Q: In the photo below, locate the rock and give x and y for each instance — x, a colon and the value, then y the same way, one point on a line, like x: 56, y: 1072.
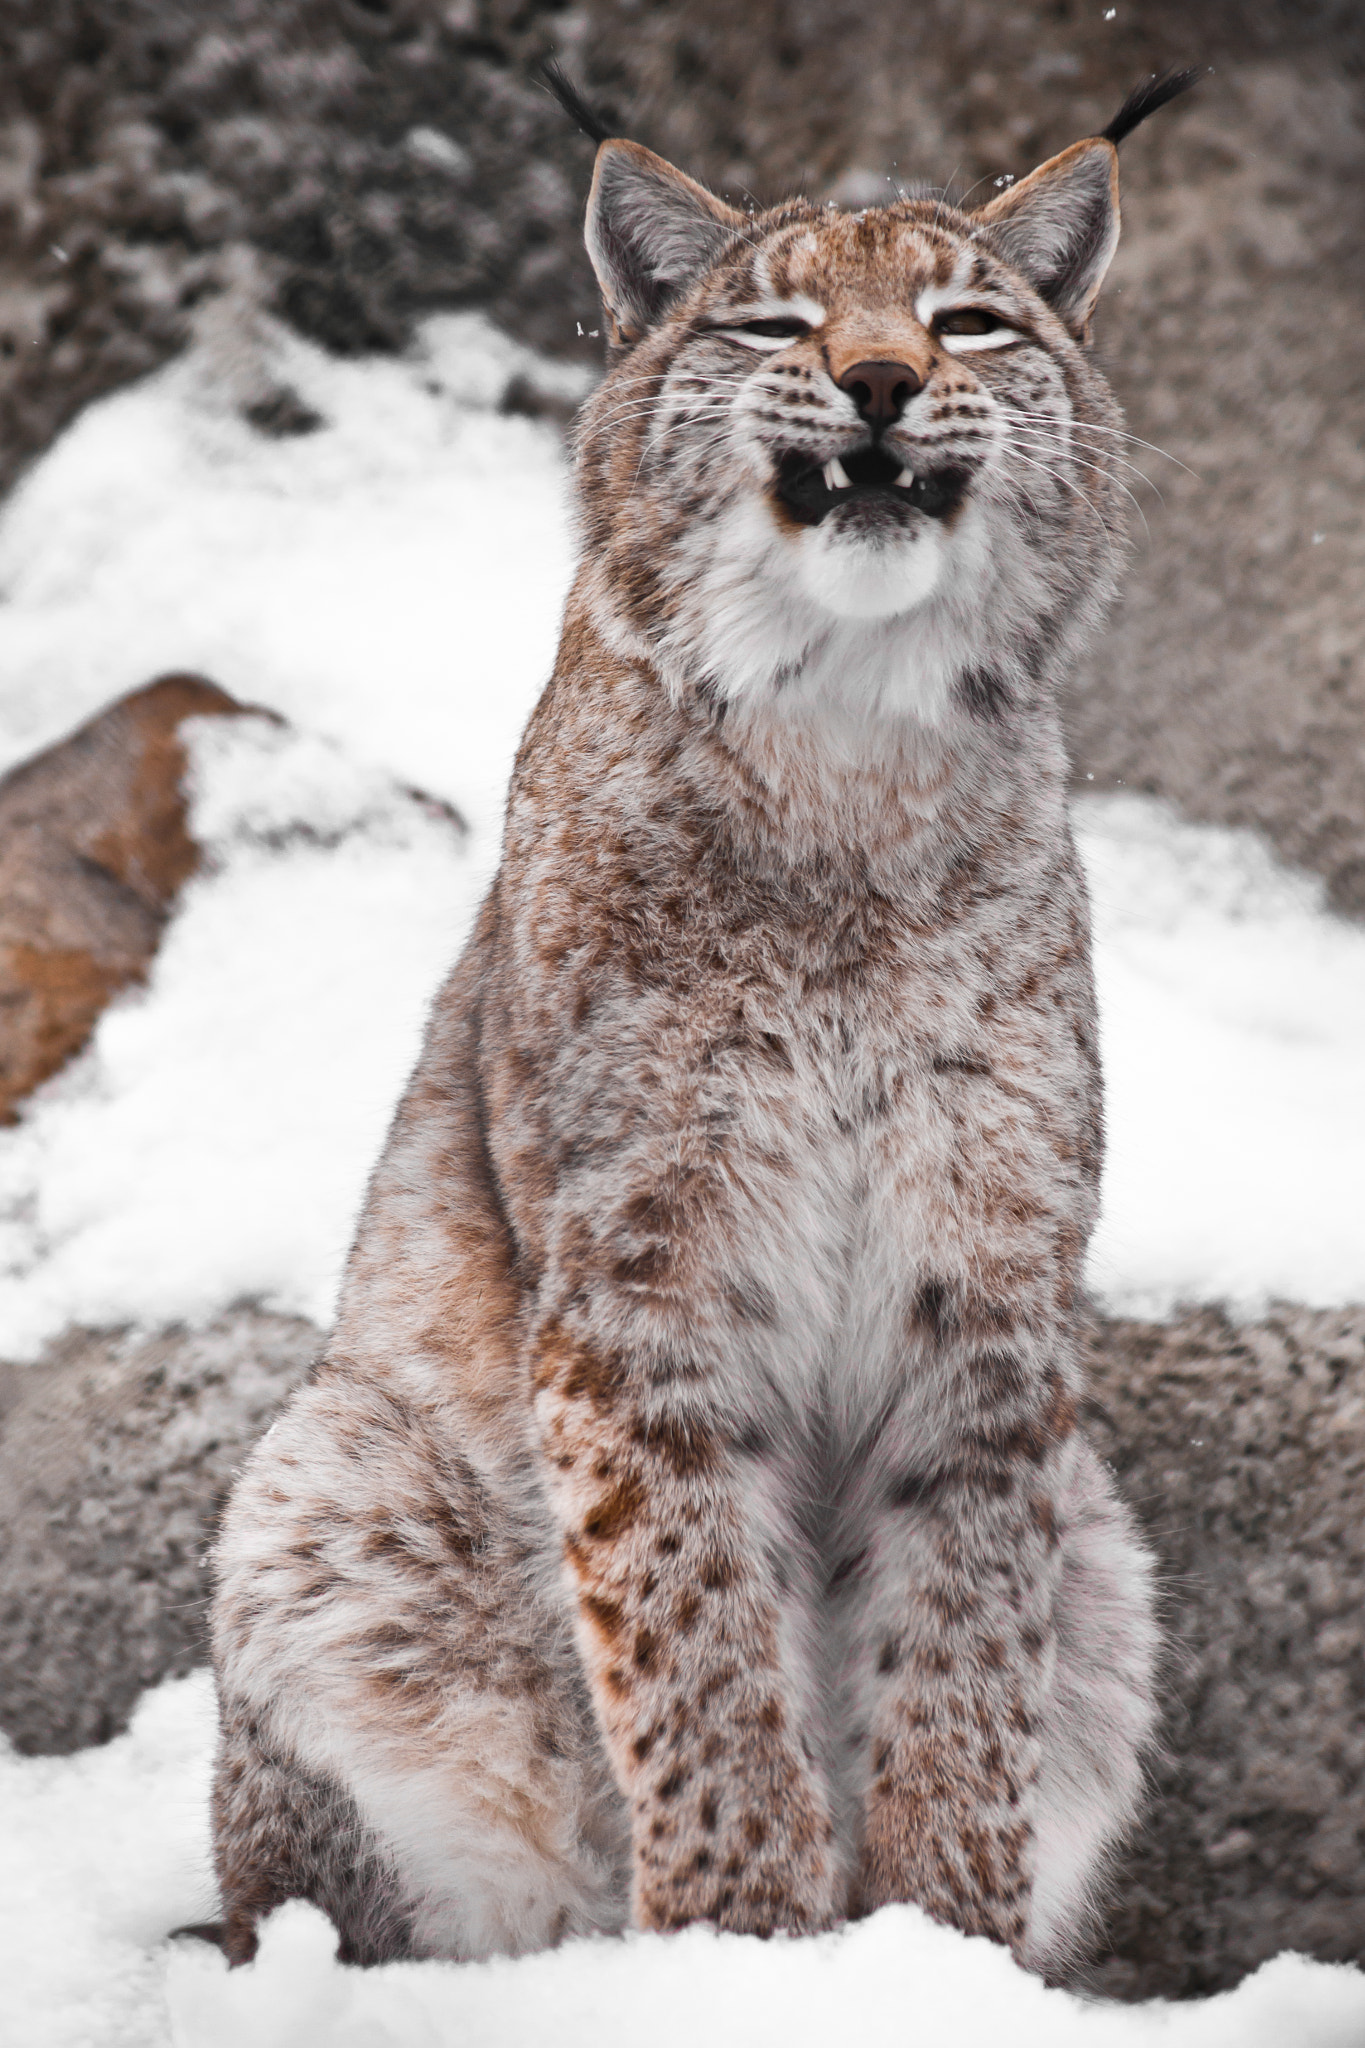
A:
x: 115, y: 1455
x: 1242, y: 1447
x: 94, y: 846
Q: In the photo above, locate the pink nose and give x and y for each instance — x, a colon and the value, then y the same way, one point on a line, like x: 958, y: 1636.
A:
x: 881, y: 391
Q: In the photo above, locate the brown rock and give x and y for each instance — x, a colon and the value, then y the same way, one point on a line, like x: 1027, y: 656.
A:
x: 94, y: 846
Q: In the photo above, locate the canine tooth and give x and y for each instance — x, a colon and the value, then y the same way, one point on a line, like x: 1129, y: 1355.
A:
x: 905, y: 479
x: 836, y: 476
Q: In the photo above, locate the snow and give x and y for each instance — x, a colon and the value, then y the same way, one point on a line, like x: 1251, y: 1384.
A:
x: 103, y: 1853
x: 392, y: 583
x: 1232, y: 1024
x: 394, y: 580
x: 215, y: 1144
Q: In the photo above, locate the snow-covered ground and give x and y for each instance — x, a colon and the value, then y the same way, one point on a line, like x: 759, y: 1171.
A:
x: 393, y: 583
x: 102, y: 1853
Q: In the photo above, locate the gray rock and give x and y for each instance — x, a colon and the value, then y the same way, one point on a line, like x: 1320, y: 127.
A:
x: 1242, y: 1448
x: 116, y: 1452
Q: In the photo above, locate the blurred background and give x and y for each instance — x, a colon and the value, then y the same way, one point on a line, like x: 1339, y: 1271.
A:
x: 344, y: 170
x: 360, y: 163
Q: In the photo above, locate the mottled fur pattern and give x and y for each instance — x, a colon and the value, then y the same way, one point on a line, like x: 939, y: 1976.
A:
x: 689, y: 1518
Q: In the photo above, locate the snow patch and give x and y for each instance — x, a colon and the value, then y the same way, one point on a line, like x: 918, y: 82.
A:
x: 101, y: 1854
x: 104, y: 1853
x: 394, y: 580
x: 393, y: 584
x: 1232, y: 1024
x: 214, y: 1142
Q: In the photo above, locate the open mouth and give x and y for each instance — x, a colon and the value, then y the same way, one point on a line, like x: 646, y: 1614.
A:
x: 809, y: 489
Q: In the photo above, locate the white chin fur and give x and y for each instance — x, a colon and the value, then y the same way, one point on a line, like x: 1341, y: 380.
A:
x: 866, y: 579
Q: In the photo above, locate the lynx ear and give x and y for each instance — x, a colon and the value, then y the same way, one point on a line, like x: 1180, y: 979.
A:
x: 650, y: 231
x: 1060, y: 227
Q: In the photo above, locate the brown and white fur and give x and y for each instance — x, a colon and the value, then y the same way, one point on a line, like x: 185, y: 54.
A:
x: 689, y: 1518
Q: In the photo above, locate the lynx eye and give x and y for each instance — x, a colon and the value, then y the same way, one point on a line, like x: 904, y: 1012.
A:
x: 972, y: 327
x: 765, y: 334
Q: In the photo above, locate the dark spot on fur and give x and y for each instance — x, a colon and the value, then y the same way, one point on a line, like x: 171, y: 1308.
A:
x: 616, y: 1511
x: 846, y: 1567
x: 751, y: 1301
x: 388, y: 1636
x: 914, y: 1490
x: 686, y: 1611
x: 753, y: 1440
x: 1001, y: 1374
x: 960, y: 1063
x: 687, y: 1447
x: 714, y: 1684
x: 932, y: 1308
x: 985, y: 693
x: 386, y: 1546
x: 952, y: 1604
x: 643, y: 1268
x: 605, y: 1613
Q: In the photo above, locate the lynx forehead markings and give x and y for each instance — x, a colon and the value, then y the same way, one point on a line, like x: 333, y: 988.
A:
x: 689, y: 1518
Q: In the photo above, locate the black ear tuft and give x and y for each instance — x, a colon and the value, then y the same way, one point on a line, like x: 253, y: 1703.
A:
x: 1144, y: 99
x: 573, y: 102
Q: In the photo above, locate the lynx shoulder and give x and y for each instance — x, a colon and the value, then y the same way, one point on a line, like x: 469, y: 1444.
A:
x: 689, y: 1517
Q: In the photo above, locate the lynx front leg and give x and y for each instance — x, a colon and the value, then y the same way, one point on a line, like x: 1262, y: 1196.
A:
x: 957, y: 1651
x: 698, y: 1686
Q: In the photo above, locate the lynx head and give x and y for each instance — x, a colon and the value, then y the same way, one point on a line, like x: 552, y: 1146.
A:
x: 854, y: 456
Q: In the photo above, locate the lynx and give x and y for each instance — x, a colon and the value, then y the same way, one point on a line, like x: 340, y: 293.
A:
x: 689, y: 1517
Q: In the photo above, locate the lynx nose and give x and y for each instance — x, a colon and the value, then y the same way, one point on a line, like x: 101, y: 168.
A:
x: 881, y: 391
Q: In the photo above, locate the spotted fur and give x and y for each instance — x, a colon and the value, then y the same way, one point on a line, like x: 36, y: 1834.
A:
x: 689, y: 1518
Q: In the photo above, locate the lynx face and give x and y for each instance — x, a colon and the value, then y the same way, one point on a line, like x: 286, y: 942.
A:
x: 853, y: 447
